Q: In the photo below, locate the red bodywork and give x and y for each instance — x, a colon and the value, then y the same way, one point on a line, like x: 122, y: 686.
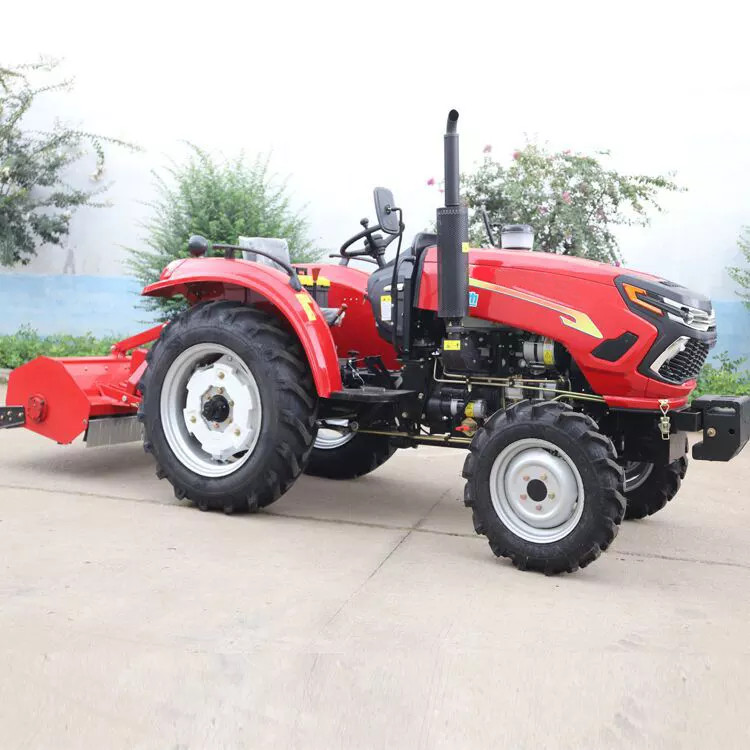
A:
x: 570, y: 300
x: 62, y: 395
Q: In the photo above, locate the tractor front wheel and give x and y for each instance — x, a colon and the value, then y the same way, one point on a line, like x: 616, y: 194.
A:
x: 649, y: 487
x: 228, y: 407
x: 544, y: 487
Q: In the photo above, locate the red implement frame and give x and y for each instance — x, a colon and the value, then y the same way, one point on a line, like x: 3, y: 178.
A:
x: 60, y: 396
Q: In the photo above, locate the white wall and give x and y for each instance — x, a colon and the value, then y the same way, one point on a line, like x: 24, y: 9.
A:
x: 350, y: 95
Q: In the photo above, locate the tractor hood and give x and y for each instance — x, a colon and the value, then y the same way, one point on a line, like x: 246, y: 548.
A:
x: 589, y: 270
x: 564, y: 265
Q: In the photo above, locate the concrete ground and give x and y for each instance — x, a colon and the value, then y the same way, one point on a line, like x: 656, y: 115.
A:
x: 363, y: 614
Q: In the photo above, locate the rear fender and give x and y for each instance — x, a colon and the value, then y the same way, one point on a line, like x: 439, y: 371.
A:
x: 203, y: 279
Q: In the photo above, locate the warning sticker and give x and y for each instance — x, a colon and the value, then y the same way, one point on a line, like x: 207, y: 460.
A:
x: 473, y: 299
x: 452, y: 345
x: 385, y: 307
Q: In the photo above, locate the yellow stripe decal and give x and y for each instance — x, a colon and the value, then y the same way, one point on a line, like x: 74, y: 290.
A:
x: 571, y: 318
x: 307, y: 302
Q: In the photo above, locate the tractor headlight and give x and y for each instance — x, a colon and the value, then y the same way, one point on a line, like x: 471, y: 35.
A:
x: 673, y: 309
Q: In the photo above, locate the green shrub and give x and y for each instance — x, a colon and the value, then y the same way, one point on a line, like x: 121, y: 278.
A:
x: 727, y: 378
x: 221, y: 200
x: 18, y: 348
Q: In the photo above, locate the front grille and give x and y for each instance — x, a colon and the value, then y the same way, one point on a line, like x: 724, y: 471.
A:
x: 687, y: 364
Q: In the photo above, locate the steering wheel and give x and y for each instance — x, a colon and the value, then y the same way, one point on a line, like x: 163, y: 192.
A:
x: 374, y: 247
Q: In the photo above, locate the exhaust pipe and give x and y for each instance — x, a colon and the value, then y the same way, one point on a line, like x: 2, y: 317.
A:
x: 453, y: 236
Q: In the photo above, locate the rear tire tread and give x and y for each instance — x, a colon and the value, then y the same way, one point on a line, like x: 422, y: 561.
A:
x: 283, y: 353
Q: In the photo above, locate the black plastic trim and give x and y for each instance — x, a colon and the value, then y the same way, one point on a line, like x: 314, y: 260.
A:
x: 613, y: 349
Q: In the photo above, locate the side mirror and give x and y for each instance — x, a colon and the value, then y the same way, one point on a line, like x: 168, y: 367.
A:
x: 384, y: 208
x: 197, y: 246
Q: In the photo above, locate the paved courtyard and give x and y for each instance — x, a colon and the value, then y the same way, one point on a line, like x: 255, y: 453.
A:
x: 361, y: 614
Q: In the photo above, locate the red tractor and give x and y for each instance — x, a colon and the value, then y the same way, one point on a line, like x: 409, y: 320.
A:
x: 567, y: 381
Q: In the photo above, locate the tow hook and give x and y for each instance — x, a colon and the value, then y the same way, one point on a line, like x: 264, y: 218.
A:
x: 665, y: 423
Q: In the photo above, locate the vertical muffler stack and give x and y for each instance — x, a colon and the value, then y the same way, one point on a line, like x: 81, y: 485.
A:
x: 453, y: 237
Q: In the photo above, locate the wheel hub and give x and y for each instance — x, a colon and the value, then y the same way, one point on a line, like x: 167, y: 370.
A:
x: 536, y: 490
x: 216, y: 409
x: 211, y: 410
x: 219, y: 409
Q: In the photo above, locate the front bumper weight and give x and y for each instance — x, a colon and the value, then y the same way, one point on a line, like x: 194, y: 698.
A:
x: 12, y: 416
x: 726, y: 426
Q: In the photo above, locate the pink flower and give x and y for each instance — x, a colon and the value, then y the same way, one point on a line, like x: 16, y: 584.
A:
x: 543, y: 210
x: 566, y: 197
x: 431, y: 181
x: 440, y: 190
x: 487, y: 149
x: 566, y: 152
x: 516, y: 155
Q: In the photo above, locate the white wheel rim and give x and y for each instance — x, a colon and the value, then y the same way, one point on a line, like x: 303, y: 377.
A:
x: 199, y: 374
x: 537, y: 491
x: 328, y: 439
x: 636, y: 473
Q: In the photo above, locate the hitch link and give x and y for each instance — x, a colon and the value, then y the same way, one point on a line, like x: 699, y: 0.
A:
x: 665, y: 423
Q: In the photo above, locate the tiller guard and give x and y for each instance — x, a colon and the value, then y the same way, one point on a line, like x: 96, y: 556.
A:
x: 58, y: 398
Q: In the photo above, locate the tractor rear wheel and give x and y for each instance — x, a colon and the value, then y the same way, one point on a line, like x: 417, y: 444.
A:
x: 544, y: 487
x: 228, y: 407
x: 346, y: 455
x: 648, y: 487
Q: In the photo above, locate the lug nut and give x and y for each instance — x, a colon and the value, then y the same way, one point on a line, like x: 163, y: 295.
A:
x: 525, y: 479
x: 711, y: 432
x: 220, y: 391
x: 524, y: 497
x: 551, y: 496
x: 543, y: 478
x: 237, y: 432
x: 221, y: 375
x: 192, y: 419
x: 538, y: 507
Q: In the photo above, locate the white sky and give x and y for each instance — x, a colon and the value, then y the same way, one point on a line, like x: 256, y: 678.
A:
x: 349, y: 95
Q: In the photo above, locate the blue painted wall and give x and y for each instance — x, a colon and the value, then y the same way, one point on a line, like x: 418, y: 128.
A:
x: 102, y: 305
x: 108, y: 305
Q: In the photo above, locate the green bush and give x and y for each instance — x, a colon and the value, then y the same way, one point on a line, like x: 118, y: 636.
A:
x: 727, y: 378
x: 221, y: 200
x: 18, y: 348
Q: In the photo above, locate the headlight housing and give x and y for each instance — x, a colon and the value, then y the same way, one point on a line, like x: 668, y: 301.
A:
x: 678, y: 310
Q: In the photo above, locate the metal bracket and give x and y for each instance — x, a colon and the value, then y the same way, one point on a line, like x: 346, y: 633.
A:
x: 12, y: 416
x: 665, y: 423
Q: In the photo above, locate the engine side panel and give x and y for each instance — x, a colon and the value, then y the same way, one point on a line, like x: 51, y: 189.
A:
x: 579, y: 311
x: 358, y: 331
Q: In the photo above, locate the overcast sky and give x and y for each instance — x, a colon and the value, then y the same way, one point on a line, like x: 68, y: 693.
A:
x: 348, y: 95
